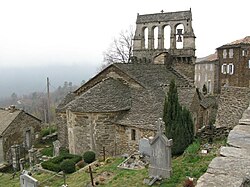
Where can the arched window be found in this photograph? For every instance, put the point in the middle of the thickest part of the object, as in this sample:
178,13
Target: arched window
179,31
167,34
156,37
145,34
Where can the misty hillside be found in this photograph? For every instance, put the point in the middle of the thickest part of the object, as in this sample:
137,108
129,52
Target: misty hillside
24,80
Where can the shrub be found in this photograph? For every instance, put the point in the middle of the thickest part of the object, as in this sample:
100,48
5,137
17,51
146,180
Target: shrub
51,166
68,166
89,156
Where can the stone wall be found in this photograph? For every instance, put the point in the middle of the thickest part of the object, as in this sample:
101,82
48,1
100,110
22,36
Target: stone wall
207,133
62,135
15,133
125,143
232,103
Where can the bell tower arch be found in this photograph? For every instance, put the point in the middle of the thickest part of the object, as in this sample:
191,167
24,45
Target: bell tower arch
181,32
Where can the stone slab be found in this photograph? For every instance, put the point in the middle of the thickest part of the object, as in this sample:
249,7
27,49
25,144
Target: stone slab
229,166
235,152
245,117
144,147
240,137
218,180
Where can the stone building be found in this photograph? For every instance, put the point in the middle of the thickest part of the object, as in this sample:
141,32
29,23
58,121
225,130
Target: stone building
206,73
120,105
16,127
234,63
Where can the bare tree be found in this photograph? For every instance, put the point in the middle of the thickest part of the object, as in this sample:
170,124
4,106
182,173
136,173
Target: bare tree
120,50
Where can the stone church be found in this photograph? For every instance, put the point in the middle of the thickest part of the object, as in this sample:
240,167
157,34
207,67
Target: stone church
120,105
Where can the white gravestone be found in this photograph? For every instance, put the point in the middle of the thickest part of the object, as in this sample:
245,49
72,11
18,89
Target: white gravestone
28,181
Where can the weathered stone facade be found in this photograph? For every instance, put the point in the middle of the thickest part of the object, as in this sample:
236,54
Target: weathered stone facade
91,131
62,134
233,102
23,129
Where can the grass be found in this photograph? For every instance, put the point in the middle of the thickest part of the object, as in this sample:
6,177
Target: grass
190,164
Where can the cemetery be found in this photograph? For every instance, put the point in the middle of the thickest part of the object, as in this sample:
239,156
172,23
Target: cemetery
138,169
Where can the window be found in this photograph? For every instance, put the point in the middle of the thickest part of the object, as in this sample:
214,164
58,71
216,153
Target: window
230,69
206,77
199,77
224,53
244,52
133,134
224,69
231,53
249,64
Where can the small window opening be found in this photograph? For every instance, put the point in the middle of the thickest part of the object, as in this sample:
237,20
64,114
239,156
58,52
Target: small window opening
133,133
224,53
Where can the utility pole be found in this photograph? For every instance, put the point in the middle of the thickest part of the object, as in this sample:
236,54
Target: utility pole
48,117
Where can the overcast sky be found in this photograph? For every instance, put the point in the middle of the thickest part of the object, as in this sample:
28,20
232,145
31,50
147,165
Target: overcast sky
42,32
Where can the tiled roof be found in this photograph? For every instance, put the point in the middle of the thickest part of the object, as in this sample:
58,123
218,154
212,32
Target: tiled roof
141,105
152,75
6,118
108,96
67,99
209,58
208,101
243,41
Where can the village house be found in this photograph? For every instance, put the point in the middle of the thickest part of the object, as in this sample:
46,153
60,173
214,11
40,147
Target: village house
206,74
234,63
120,105
16,128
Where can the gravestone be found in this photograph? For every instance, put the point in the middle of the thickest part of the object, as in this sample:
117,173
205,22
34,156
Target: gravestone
32,156
56,148
160,160
144,147
15,153
27,181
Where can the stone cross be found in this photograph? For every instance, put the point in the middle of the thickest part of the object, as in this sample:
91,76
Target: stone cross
160,160
56,148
